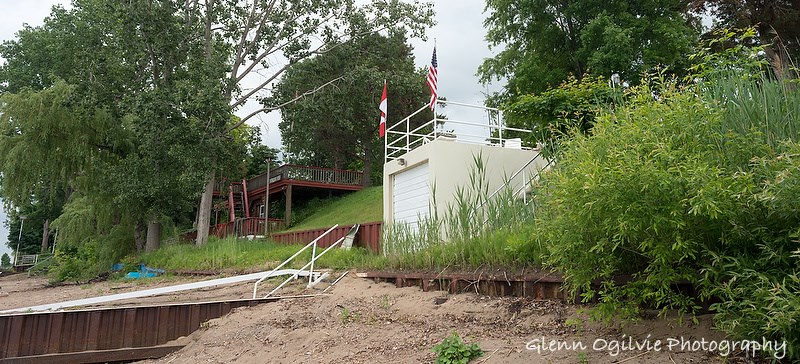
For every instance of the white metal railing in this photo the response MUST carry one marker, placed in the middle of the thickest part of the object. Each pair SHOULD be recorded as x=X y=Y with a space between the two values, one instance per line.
x=313 y=278
x=400 y=138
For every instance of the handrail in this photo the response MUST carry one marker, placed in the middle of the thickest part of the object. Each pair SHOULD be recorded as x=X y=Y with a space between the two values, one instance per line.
x=311 y=280
x=292 y=171
x=539 y=172
x=524 y=183
x=401 y=138
x=513 y=175
x=313 y=242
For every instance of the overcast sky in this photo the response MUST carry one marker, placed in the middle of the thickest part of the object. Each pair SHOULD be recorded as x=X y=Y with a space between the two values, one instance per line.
x=460 y=49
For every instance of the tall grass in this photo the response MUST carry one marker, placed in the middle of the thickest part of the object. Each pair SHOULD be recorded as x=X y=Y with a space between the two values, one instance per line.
x=478 y=229
x=766 y=107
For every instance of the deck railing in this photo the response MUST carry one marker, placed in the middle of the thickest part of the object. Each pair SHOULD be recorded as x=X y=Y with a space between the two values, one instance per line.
x=297 y=173
x=246 y=227
x=404 y=136
x=308 y=174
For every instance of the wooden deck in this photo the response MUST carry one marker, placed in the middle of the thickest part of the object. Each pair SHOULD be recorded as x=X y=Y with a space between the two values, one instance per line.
x=315 y=177
x=285 y=181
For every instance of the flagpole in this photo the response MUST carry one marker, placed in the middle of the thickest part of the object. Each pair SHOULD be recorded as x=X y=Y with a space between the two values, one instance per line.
x=386 y=135
x=437 y=83
x=435 y=102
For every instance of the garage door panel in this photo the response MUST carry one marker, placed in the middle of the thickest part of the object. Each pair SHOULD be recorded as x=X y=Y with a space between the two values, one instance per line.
x=411 y=195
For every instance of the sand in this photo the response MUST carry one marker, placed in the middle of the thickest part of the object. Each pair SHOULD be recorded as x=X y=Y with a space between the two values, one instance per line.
x=361 y=321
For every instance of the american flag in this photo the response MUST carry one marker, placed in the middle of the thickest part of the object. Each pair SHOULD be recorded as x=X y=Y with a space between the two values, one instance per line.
x=432 y=78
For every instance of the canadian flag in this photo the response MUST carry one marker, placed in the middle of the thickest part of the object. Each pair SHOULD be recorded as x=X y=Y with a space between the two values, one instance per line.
x=382 y=107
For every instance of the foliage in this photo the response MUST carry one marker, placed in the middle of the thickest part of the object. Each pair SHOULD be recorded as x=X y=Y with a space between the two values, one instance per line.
x=454 y=351
x=77 y=263
x=619 y=202
x=546 y=41
x=559 y=112
x=773 y=19
x=731 y=53
x=5 y=260
x=337 y=126
x=683 y=184
x=30 y=241
x=121 y=123
x=257 y=156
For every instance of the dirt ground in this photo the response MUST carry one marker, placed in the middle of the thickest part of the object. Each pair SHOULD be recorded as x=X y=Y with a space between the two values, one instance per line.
x=361 y=321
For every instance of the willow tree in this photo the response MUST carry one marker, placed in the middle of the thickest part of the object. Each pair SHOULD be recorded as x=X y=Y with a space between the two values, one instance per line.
x=109 y=99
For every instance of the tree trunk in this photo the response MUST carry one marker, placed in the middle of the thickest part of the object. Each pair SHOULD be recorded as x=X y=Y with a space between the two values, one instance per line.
x=204 y=211
x=153 y=235
x=139 y=236
x=46 y=236
x=366 y=177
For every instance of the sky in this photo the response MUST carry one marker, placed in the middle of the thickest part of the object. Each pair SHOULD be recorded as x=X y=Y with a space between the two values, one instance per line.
x=460 y=49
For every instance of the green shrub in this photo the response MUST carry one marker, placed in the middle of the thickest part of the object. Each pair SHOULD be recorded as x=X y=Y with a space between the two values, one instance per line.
x=454 y=351
x=684 y=184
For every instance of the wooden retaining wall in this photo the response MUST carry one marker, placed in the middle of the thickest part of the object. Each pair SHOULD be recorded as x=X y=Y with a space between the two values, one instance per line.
x=368 y=237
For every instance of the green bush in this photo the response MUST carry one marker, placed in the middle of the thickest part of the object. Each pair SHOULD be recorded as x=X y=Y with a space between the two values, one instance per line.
x=684 y=184
x=454 y=351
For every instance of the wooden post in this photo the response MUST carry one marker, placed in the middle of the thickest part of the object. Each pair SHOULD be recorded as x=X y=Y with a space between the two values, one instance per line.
x=287 y=218
x=46 y=236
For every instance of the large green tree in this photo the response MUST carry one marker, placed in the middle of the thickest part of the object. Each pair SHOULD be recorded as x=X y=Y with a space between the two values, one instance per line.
x=137 y=98
x=546 y=41
x=338 y=126
x=108 y=100
x=257 y=33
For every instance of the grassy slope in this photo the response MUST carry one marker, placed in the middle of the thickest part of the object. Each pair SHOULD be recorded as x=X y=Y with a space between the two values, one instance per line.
x=359 y=207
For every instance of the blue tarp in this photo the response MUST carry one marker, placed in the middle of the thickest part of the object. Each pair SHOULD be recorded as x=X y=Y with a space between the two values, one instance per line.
x=145 y=272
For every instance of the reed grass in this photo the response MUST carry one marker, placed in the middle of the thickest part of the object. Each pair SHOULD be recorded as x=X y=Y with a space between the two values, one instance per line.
x=477 y=230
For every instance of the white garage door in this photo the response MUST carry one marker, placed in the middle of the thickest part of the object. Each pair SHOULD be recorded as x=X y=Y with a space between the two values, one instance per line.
x=411 y=195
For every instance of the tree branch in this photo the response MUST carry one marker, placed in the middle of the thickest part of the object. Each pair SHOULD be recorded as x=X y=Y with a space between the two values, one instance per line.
x=280 y=106
x=244 y=98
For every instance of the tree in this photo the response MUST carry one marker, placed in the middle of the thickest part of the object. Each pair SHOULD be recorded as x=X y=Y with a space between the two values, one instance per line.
x=338 y=126
x=776 y=21
x=254 y=33
x=546 y=41
x=559 y=112
x=258 y=155
x=5 y=260
x=126 y=91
